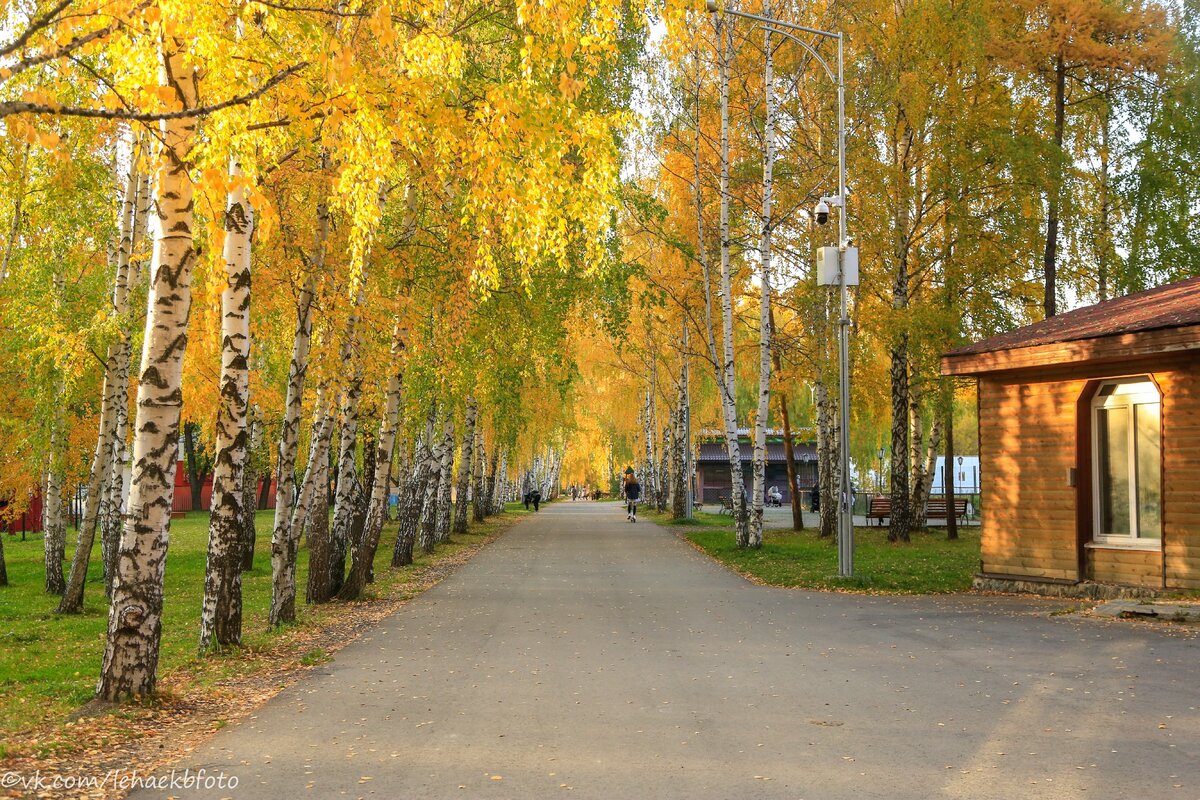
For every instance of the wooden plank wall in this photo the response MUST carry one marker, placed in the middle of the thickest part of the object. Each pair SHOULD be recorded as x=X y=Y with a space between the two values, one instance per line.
x=1027 y=431
x=1027 y=447
x=1181 y=473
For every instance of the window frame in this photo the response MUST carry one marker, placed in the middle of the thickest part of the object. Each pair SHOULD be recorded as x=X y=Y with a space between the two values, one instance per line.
x=1099 y=400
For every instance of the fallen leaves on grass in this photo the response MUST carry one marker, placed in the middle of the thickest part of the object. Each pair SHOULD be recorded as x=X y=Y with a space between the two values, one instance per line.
x=104 y=741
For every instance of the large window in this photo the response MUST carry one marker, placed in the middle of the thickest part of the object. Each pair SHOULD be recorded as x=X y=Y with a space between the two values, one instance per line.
x=1127 y=447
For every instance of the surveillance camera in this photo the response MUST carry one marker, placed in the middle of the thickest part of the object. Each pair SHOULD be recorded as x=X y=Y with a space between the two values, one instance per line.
x=712 y=6
x=822 y=212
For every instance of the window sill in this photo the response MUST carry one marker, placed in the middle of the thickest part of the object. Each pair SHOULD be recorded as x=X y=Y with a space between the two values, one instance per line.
x=1145 y=545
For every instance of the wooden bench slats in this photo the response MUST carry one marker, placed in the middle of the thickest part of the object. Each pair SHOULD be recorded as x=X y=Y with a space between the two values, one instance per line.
x=880 y=508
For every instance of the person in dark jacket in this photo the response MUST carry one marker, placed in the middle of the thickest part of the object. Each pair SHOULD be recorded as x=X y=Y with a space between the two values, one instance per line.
x=633 y=493
x=536 y=497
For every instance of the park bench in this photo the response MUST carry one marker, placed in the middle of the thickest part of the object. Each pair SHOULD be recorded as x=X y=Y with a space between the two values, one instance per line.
x=936 y=509
x=880 y=508
x=726 y=505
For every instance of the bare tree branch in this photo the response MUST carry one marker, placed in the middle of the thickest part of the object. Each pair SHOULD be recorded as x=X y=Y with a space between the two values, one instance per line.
x=34 y=26
x=71 y=46
x=8 y=109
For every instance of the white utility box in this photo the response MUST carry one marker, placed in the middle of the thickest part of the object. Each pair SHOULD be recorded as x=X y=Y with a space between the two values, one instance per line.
x=827 y=266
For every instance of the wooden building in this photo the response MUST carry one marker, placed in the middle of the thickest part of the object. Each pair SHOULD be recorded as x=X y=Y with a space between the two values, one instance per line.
x=712 y=465
x=1089 y=431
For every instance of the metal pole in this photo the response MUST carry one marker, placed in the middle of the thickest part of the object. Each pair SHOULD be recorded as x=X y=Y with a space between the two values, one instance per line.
x=846 y=519
x=845 y=512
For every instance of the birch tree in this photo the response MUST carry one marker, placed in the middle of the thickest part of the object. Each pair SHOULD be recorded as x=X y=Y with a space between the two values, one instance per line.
x=364 y=554
x=754 y=531
x=466 y=467
x=726 y=375
x=221 y=614
x=284 y=539
x=113 y=403
x=131 y=651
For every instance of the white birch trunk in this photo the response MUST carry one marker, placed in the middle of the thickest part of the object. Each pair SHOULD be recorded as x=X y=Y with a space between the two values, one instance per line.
x=466 y=466
x=445 y=482
x=428 y=529
x=411 y=498
x=479 y=499
x=679 y=444
x=664 y=465
x=54 y=518
x=311 y=494
x=755 y=529
x=314 y=506
x=498 y=494
x=492 y=506
x=115 y=490
x=130 y=662
x=221 y=611
x=283 y=550
x=112 y=395
x=250 y=490
x=726 y=379
x=364 y=554
x=828 y=464
x=345 y=504
x=924 y=464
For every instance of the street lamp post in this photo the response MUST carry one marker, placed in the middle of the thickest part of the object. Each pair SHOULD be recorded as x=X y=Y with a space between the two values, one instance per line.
x=836 y=266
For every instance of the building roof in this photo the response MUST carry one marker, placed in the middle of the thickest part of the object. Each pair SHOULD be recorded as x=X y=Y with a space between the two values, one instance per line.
x=746 y=433
x=714 y=453
x=1152 y=317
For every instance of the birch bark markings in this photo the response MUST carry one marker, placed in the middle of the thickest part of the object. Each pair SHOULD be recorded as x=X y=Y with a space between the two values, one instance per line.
x=314 y=507
x=364 y=554
x=726 y=377
x=130 y=662
x=113 y=394
x=411 y=499
x=54 y=521
x=445 y=479
x=754 y=529
x=479 y=501
x=427 y=535
x=500 y=485
x=115 y=490
x=347 y=482
x=465 y=467
x=221 y=613
x=283 y=595
x=493 y=502
x=250 y=491
x=283 y=546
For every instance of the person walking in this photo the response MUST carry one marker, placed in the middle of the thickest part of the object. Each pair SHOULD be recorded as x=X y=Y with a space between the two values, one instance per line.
x=633 y=493
x=536 y=497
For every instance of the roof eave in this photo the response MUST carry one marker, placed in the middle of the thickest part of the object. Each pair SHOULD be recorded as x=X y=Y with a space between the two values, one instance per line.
x=1100 y=350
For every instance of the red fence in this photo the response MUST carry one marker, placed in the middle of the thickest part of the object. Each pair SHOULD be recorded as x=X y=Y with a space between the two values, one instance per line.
x=28 y=522
x=31 y=520
x=183 y=493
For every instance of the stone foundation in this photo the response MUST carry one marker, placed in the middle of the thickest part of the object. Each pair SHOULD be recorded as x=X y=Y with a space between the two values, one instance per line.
x=1088 y=590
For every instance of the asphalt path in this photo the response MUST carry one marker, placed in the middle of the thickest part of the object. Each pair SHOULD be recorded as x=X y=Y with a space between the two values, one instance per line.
x=584 y=656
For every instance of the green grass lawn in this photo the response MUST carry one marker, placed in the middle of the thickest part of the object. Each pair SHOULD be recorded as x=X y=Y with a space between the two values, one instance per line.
x=49 y=663
x=929 y=564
